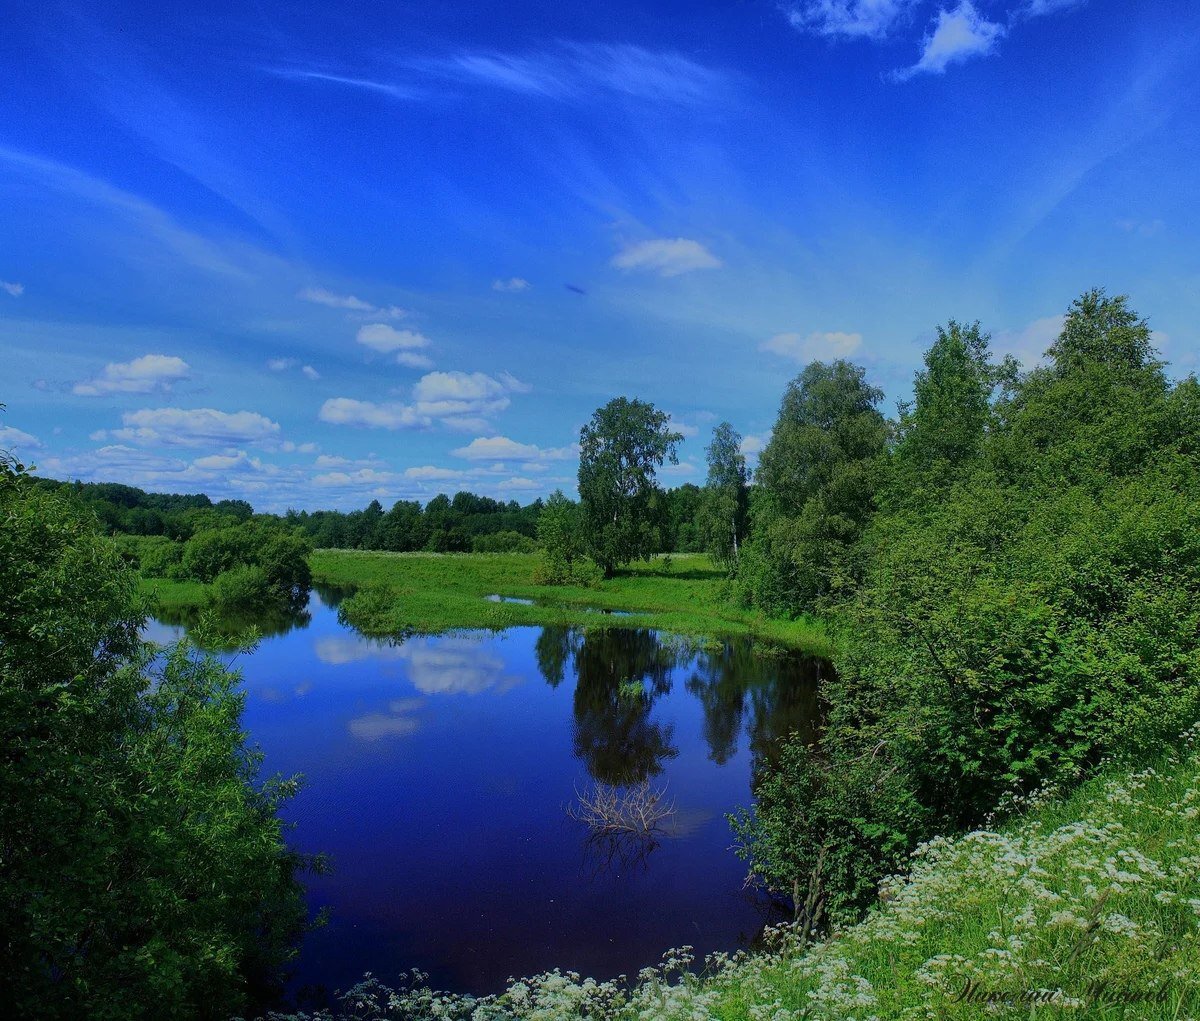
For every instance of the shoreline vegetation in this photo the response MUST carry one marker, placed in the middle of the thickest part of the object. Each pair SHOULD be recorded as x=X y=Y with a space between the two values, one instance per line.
x=431 y=593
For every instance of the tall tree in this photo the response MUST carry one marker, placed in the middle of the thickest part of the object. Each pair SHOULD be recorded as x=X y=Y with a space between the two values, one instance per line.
x=817 y=477
x=943 y=429
x=726 y=496
x=620 y=449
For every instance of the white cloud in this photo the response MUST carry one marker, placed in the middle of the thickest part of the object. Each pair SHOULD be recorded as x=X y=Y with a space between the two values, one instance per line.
x=513 y=384
x=1029 y=343
x=386 y=339
x=583 y=72
x=16 y=290
x=850 y=19
x=324 y=296
x=683 y=469
x=813 y=347
x=432 y=473
x=414 y=360
x=667 y=257
x=310 y=372
x=518 y=484
x=288 y=447
x=752 y=445
x=496 y=448
x=16 y=439
x=957 y=36
x=361 y=477
x=346 y=411
x=280 y=364
x=1040 y=8
x=457 y=400
x=195 y=427
x=461 y=400
x=375 y=726
x=512 y=285
x=148 y=374
x=682 y=427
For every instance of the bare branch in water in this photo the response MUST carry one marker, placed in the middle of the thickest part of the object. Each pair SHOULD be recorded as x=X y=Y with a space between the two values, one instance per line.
x=640 y=810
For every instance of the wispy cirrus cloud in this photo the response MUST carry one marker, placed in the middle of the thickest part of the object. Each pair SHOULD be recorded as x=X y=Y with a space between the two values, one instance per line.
x=148 y=374
x=350 y=303
x=849 y=19
x=668 y=257
x=564 y=72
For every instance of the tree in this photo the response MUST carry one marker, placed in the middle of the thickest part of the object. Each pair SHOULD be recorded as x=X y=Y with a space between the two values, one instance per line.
x=620 y=448
x=817 y=479
x=726 y=496
x=143 y=871
x=559 y=538
x=943 y=430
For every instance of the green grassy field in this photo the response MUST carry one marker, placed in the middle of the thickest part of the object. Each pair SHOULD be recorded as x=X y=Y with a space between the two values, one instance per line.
x=431 y=592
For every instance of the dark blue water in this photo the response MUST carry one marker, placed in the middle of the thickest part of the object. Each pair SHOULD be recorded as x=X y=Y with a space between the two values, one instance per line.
x=438 y=773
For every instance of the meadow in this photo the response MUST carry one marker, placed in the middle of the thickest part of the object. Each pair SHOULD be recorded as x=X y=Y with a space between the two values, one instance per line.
x=430 y=593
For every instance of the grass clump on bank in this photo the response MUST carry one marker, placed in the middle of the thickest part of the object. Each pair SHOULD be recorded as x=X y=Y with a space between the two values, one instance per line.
x=1087 y=907
x=431 y=593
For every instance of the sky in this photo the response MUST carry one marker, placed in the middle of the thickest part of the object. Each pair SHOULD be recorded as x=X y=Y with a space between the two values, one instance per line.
x=311 y=255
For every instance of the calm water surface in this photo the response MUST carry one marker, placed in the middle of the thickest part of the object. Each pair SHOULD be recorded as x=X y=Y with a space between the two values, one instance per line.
x=438 y=773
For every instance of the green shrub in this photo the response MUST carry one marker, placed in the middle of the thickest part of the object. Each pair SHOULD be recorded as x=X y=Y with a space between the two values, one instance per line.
x=503 y=542
x=243 y=587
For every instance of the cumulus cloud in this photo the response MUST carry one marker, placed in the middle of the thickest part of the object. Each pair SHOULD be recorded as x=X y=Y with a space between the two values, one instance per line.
x=310 y=372
x=512 y=285
x=386 y=339
x=849 y=19
x=148 y=374
x=280 y=364
x=957 y=36
x=668 y=257
x=496 y=448
x=813 y=347
x=14 y=289
x=414 y=360
x=16 y=439
x=457 y=400
x=349 y=302
x=347 y=411
x=433 y=473
x=360 y=477
x=196 y=427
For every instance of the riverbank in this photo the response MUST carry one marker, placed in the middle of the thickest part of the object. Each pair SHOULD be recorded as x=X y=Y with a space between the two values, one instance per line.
x=1087 y=906
x=432 y=593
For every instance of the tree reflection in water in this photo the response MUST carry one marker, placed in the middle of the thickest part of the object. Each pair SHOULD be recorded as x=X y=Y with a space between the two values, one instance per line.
x=621 y=672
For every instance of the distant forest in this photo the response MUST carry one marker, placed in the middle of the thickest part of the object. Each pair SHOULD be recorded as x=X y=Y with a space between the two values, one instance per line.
x=464 y=523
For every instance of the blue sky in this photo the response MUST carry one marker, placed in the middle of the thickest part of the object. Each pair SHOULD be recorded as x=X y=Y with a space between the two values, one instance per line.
x=313 y=254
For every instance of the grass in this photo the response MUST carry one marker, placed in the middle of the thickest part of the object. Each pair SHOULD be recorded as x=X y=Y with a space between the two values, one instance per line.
x=432 y=593
x=1084 y=907
x=174 y=595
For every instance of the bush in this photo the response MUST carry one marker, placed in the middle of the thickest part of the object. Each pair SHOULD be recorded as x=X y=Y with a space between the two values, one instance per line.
x=242 y=588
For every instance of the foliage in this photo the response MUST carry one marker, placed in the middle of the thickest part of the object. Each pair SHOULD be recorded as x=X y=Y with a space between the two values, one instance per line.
x=559 y=535
x=241 y=588
x=726 y=497
x=1027 y=601
x=503 y=542
x=817 y=477
x=620 y=448
x=143 y=872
